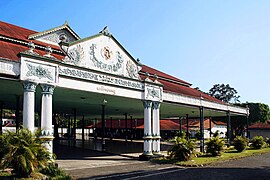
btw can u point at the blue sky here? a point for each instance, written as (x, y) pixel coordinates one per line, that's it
(202, 42)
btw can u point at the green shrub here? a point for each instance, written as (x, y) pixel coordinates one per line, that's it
(23, 152)
(257, 142)
(268, 141)
(240, 143)
(180, 134)
(54, 172)
(183, 149)
(215, 146)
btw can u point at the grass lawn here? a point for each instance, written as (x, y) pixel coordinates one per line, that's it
(205, 159)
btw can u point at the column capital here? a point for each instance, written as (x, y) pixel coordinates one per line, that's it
(29, 86)
(147, 104)
(47, 88)
(156, 104)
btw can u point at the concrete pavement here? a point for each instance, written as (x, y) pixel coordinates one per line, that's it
(90, 164)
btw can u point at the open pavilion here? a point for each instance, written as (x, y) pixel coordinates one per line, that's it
(56, 71)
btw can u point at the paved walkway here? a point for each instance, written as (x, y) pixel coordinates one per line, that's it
(89, 164)
(85, 160)
(85, 163)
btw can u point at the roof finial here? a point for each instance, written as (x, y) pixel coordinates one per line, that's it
(105, 31)
(66, 23)
(31, 47)
(155, 76)
(48, 51)
(147, 79)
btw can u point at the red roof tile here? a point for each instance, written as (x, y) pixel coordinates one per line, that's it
(166, 125)
(10, 50)
(161, 74)
(13, 31)
(20, 33)
(259, 125)
(118, 124)
(187, 91)
(195, 123)
(220, 123)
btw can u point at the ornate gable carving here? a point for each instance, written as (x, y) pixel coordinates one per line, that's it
(55, 35)
(103, 53)
(54, 38)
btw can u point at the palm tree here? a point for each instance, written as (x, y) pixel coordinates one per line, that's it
(24, 152)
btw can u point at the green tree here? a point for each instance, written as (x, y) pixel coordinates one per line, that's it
(224, 93)
(258, 112)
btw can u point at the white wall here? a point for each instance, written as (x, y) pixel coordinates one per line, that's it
(263, 133)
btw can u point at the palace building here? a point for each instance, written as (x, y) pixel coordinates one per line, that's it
(94, 77)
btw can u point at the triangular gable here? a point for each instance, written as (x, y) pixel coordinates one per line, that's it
(53, 36)
(102, 52)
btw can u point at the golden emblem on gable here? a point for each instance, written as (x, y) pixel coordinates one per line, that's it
(106, 53)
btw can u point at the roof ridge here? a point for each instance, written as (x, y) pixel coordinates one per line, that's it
(22, 42)
(63, 26)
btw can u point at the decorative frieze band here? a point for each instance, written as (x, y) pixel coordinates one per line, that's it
(96, 77)
(38, 71)
(9, 67)
(31, 70)
(153, 93)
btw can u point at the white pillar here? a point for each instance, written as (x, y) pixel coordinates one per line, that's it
(29, 105)
(46, 115)
(147, 146)
(156, 128)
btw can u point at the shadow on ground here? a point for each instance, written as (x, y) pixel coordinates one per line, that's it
(207, 173)
(64, 152)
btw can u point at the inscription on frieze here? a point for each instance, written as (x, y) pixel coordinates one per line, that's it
(103, 78)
